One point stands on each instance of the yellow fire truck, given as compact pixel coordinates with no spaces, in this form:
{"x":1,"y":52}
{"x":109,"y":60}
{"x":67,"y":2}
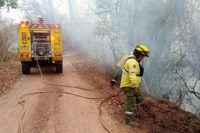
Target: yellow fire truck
{"x":40,"y":43}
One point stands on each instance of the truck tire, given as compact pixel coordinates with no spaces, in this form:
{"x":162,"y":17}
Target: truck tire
{"x":26,"y":69}
{"x":59,"y":67}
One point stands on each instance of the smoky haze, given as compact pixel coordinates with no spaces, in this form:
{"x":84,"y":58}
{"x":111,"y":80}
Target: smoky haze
{"x":105,"y":30}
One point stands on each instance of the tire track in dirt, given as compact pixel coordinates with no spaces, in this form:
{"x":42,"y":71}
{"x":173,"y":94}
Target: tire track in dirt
{"x":45,"y":115}
{"x":54,"y":112}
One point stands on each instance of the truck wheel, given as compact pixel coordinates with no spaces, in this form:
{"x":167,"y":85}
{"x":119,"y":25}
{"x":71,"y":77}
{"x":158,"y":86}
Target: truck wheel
{"x":59,"y":67}
{"x":26,"y":69}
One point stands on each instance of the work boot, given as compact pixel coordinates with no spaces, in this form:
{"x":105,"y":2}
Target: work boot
{"x":132,"y":123}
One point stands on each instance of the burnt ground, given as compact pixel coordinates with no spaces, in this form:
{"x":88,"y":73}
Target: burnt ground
{"x":50,"y":113}
{"x":154,"y":115}
{"x":166,"y":117}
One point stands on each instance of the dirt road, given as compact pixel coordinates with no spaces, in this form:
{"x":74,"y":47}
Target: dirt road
{"x":54,"y":112}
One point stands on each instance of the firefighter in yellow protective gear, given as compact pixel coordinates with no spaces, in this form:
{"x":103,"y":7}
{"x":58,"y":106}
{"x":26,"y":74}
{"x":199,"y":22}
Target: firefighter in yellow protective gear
{"x":118,"y":70}
{"x":131,"y":81}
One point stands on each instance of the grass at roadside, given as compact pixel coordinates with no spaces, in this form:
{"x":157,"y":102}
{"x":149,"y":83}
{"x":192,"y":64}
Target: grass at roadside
{"x":9,"y":74}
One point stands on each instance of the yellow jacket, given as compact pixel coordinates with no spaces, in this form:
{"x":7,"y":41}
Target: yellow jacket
{"x":129,"y":74}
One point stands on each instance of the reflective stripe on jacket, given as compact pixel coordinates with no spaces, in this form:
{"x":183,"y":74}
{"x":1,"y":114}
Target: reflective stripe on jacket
{"x":129,"y":74}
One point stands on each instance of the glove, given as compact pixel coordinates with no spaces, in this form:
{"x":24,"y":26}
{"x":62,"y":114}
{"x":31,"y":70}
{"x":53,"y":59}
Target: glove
{"x":112,"y":82}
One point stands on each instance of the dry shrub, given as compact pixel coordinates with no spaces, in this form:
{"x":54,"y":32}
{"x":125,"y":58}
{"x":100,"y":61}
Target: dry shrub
{"x":7,"y":40}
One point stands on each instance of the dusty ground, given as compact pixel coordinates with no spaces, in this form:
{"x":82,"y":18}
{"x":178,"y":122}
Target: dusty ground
{"x":54,"y":112}
{"x":64,"y":113}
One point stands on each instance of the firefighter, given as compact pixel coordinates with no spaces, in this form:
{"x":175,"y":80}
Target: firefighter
{"x":118,"y":71}
{"x":131,"y":80}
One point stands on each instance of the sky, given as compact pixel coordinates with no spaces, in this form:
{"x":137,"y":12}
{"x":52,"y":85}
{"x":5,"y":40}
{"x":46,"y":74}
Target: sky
{"x":13,"y":14}
{"x":82,"y":6}
{"x":81,"y":9}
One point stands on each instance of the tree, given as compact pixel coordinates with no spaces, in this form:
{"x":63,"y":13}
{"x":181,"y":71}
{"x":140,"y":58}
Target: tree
{"x":171,"y":29}
{"x":8,"y":3}
{"x":7,"y":39}
{"x":114,"y":25}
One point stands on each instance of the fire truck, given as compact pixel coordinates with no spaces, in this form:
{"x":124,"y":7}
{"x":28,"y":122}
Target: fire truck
{"x":40,"y":43}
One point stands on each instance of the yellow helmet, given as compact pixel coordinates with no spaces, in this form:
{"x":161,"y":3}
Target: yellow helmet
{"x":143,"y":49}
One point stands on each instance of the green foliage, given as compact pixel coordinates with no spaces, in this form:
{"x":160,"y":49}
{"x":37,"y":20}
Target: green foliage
{"x":8,"y":3}
{"x":2,"y":3}
{"x":12,"y":3}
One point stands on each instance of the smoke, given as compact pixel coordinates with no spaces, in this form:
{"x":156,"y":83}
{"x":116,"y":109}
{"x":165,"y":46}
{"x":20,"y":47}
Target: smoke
{"x":104,"y":30}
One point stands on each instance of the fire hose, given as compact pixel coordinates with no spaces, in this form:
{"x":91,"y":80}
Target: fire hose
{"x":21,"y":101}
